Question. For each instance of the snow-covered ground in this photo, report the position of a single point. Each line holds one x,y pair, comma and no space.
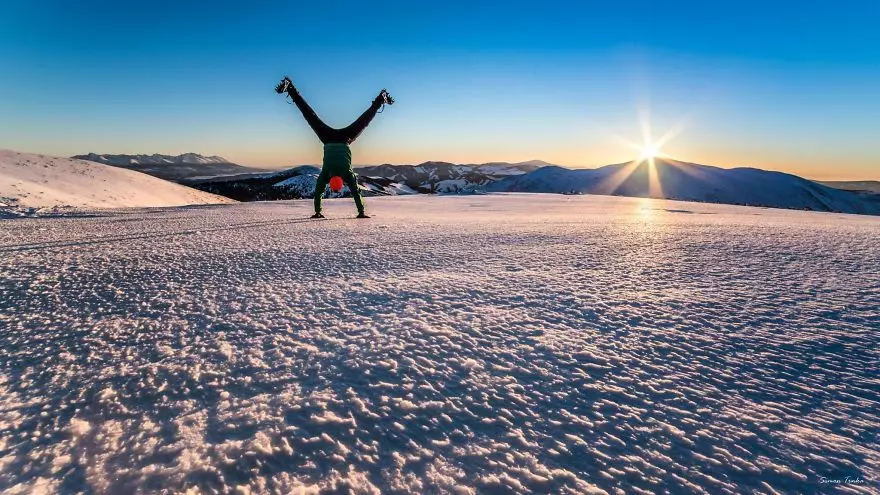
482,344
29,181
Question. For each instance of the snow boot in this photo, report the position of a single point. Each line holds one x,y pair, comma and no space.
284,85
385,98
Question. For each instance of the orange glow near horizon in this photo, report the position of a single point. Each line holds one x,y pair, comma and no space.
815,169
600,149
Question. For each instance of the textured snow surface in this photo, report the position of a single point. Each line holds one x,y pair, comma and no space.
40,181
491,344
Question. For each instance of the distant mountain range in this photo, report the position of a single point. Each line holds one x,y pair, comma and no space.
691,182
450,178
382,180
673,180
173,168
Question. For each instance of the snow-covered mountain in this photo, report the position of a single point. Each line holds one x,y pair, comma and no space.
295,183
174,168
443,177
39,181
690,182
378,180
867,190
674,180
381,180
154,159
872,186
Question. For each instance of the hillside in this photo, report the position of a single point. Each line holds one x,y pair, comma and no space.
872,186
40,181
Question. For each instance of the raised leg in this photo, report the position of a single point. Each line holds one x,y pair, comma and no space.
354,130
325,133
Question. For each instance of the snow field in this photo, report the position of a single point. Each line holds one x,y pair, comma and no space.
483,344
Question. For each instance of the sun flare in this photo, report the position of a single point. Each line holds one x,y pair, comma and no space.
650,158
650,151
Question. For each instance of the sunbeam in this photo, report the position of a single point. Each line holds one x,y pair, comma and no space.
655,189
650,151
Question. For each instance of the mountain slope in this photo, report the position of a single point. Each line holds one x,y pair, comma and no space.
872,186
29,180
691,182
174,168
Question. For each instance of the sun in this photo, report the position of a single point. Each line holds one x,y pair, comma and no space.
650,151
651,157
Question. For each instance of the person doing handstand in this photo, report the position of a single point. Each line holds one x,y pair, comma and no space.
337,154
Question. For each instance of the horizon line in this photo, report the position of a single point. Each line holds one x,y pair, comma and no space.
546,163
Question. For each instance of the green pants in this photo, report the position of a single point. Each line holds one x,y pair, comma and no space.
350,180
337,161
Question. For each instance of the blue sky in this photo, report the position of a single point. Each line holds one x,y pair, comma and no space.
780,85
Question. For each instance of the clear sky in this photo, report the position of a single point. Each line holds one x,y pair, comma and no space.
776,84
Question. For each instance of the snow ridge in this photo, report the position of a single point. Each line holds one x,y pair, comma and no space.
154,159
180,168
